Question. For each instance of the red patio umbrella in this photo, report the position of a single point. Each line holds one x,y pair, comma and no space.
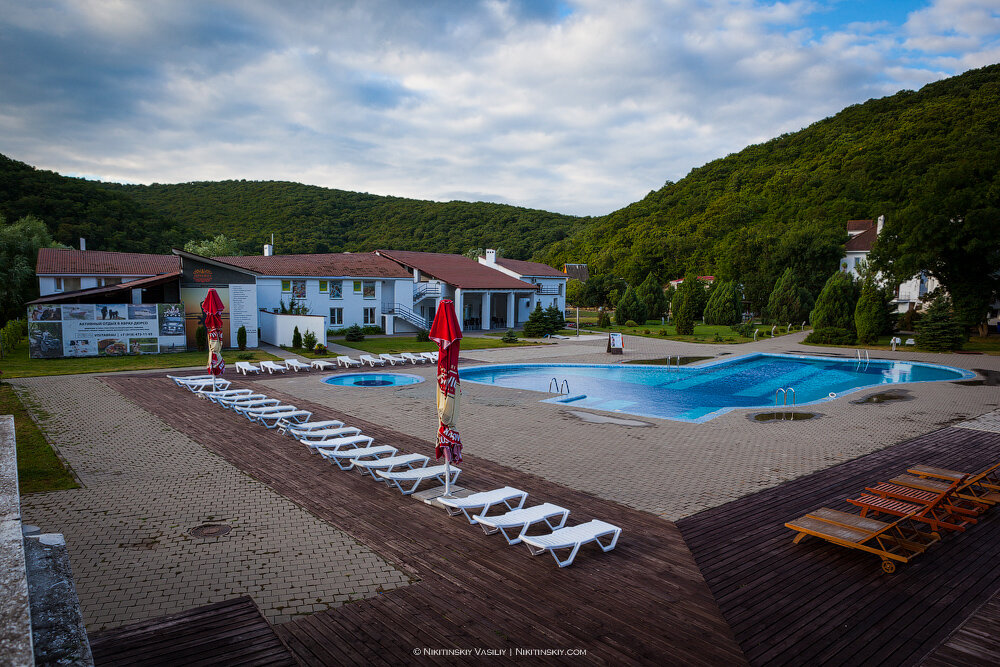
447,334
212,306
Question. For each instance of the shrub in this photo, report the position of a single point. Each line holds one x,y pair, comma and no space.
320,349
686,301
423,336
664,332
536,326
241,338
372,329
245,356
836,303
939,330
725,305
354,334
509,337
201,338
831,336
11,334
646,331
554,319
871,316
650,292
296,338
630,308
604,321
745,329
631,323
309,340
788,301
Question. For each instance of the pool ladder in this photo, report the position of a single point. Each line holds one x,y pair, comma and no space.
866,359
784,404
559,387
670,361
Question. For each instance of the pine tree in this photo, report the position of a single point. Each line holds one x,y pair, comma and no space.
296,338
536,326
836,304
688,300
241,338
938,330
554,319
650,292
871,315
630,308
724,305
789,302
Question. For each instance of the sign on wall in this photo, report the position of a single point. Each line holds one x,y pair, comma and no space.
239,303
91,330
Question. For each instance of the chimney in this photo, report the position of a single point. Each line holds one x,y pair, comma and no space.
491,256
83,243
268,250
880,224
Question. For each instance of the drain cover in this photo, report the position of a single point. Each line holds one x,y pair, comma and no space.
210,530
372,383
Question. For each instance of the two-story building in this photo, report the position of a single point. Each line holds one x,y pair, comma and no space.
551,282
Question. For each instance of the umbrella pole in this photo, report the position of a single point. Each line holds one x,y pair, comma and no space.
447,472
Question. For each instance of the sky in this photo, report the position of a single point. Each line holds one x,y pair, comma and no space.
574,106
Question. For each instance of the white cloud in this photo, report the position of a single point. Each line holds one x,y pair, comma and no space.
582,112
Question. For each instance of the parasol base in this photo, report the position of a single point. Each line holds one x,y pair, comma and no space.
430,496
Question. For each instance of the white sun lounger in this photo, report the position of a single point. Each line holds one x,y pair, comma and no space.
371,361
392,359
230,401
271,367
321,365
572,538
347,362
519,521
430,356
417,475
184,380
322,435
409,356
271,419
483,501
345,458
388,464
250,413
214,396
201,383
246,367
298,430
251,404
336,444
297,365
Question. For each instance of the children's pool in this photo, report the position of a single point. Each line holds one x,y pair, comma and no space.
373,380
701,393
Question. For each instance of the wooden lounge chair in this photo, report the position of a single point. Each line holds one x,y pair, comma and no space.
572,538
898,541
417,475
371,361
968,491
988,479
483,501
935,510
521,520
392,359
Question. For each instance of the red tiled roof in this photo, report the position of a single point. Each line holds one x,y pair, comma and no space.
149,281
360,264
530,268
456,270
56,262
863,241
860,225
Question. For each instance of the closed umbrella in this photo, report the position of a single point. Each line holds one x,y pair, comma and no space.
212,307
447,334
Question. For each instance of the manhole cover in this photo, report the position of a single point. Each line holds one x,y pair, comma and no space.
210,530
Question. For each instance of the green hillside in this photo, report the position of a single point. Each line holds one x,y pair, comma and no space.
305,218
785,202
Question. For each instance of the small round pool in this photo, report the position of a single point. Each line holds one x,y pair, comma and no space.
373,380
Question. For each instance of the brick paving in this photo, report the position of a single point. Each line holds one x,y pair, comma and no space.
145,486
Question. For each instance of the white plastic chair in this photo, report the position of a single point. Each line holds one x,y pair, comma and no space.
572,538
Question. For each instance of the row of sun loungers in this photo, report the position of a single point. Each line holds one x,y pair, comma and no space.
903,517
246,367
349,449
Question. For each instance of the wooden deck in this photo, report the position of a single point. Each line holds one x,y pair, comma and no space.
977,642
817,603
643,602
225,633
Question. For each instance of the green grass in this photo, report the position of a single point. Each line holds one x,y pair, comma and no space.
395,345
988,345
38,467
703,333
19,365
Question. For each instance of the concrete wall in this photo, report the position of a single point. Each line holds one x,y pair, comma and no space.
16,646
278,329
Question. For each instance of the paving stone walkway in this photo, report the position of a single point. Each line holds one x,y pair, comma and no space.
145,486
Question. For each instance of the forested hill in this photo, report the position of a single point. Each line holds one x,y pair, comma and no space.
306,218
785,202
73,208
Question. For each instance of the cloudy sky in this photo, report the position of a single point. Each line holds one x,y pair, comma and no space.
577,106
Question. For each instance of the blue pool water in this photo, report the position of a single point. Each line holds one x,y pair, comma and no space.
373,380
703,392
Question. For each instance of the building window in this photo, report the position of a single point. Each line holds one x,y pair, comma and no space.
324,286
286,286
560,289
298,289
105,282
369,289
336,289
336,316
357,287
369,316
67,284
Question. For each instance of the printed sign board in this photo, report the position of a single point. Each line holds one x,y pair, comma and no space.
616,344
91,330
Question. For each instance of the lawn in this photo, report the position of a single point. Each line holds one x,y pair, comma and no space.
397,344
987,345
38,467
703,333
18,364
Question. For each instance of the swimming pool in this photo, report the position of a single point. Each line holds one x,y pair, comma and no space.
373,380
701,393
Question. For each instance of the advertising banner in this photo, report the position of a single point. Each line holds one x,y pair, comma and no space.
90,330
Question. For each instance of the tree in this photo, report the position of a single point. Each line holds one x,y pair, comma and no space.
19,245
688,303
220,246
536,326
201,338
650,292
575,293
296,338
871,315
630,308
836,303
788,302
241,338
725,305
554,319
938,331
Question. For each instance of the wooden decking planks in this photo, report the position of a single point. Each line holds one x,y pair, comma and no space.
814,602
643,602
976,642
231,632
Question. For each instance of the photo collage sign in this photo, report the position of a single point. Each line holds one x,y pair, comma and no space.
110,330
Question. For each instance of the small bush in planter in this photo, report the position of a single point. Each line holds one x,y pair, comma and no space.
320,349
354,334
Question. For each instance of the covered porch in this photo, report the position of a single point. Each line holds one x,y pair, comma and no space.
490,309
